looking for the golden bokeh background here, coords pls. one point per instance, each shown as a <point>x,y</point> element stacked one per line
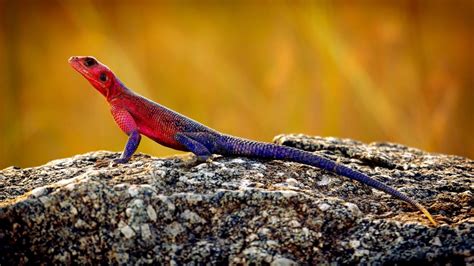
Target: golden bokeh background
<point>399,71</point>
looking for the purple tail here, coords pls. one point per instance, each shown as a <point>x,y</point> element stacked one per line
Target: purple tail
<point>243,147</point>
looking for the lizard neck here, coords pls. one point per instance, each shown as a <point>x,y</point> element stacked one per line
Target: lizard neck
<point>117,90</point>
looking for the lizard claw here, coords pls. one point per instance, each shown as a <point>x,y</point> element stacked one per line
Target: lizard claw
<point>119,161</point>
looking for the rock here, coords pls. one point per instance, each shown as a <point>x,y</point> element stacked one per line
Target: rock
<point>81,210</point>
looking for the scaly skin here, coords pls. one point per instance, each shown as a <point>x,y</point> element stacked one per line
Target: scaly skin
<point>137,116</point>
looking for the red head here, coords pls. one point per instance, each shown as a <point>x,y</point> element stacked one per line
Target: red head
<point>98,74</point>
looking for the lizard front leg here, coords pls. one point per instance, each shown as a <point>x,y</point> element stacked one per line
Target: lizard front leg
<point>128,125</point>
<point>130,148</point>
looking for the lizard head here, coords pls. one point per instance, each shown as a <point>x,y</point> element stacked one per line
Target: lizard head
<point>98,74</point>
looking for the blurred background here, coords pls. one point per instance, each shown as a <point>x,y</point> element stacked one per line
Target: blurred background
<point>399,71</point>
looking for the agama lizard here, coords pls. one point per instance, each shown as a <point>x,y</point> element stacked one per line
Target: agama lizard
<point>137,115</point>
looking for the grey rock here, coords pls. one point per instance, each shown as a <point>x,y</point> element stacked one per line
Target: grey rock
<point>83,210</point>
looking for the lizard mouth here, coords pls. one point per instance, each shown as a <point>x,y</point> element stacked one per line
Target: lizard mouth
<point>75,62</point>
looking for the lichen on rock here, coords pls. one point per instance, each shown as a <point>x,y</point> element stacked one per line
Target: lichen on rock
<point>239,210</point>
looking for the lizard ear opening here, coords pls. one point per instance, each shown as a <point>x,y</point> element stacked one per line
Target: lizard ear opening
<point>103,77</point>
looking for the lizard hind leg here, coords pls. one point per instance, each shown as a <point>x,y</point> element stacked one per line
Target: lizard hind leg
<point>201,152</point>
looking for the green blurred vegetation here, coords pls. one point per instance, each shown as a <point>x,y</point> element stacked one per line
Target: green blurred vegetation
<point>398,71</point>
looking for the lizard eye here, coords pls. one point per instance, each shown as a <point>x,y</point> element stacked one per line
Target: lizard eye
<point>88,62</point>
<point>103,77</point>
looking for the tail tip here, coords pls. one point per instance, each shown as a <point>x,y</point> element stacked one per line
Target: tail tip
<point>428,215</point>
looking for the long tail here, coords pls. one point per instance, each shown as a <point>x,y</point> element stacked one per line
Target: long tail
<point>243,147</point>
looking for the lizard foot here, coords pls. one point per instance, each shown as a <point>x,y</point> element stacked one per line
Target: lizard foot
<point>194,161</point>
<point>119,161</point>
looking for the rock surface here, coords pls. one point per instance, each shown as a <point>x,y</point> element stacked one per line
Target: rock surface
<point>238,210</point>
